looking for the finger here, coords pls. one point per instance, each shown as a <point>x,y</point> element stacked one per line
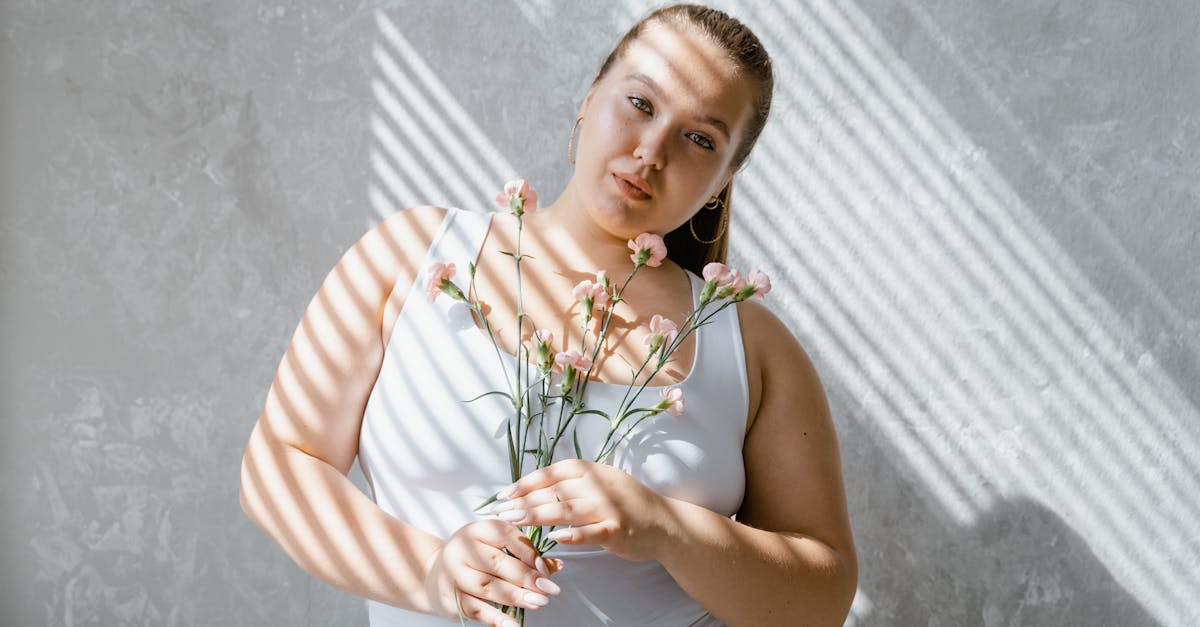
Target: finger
<point>521,547</point>
<point>482,612</point>
<point>547,566</point>
<point>492,587</point>
<point>506,537</point>
<point>504,566</point>
<point>597,533</point>
<point>573,512</point>
<point>561,491</point>
<point>544,477</point>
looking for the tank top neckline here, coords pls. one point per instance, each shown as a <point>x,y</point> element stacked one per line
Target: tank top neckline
<point>477,333</point>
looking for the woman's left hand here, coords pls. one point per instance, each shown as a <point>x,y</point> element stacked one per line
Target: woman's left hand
<point>603,505</point>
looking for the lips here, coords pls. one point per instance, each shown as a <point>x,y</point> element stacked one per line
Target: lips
<point>633,185</point>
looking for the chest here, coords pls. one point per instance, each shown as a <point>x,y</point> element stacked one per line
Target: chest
<point>548,303</point>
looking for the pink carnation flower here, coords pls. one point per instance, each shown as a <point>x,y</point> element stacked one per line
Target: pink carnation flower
<point>585,289</point>
<point>437,272</point>
<point>573,358</point>
<point>719,273</point>
<point>760,281</point>
<point>649,249</point>
<point>602,278</point>
<point>672,401</point>
<point>518,188</point>
<point>663,328</point>
<point>541,336</point>
<point>538,345</point>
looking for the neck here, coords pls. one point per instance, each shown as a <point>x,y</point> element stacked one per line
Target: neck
<point>566,232</point>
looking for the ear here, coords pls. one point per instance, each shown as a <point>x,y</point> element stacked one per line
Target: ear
<point>586,101</point>
<point>724,183</point>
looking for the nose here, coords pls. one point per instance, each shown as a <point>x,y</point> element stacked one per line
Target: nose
<point>652,145</point>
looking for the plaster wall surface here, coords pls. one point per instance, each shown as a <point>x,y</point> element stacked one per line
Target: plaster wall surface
<point>981,220</point>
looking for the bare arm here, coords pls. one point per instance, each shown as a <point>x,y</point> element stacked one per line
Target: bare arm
<point>294,483</point>
<point>293,478</point>
<point>790,557</point>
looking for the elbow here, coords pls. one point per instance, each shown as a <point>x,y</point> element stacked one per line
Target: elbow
<point>828,603</point>
<point>243,499</point>
<point>248,494</point>
<point>845,586</point>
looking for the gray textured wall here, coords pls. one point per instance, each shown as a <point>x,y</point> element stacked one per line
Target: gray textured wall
<point>981,219</point>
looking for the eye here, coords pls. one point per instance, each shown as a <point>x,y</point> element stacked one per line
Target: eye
<point>702,141</point>
<point>640,104</point>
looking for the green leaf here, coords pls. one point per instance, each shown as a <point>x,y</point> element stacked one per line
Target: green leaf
<point>575,437</point>
<point>512,455</point>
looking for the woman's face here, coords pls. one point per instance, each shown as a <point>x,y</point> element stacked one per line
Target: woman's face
<point>670,112</point>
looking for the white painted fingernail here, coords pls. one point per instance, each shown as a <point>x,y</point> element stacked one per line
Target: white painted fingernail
<point>512,516</point>
<point>510,623</point>
<point>548,586</point>
<point>506,493</point>
<point>534,598</point>
<point>559,535</point>
<point>542,567</point>
<point>503,507</point>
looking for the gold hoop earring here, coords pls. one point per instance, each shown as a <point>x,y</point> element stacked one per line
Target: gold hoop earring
<point>571,140</point>
<point>713,204</point>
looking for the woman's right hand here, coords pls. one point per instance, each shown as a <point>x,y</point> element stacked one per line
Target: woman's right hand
<point>473,570</point>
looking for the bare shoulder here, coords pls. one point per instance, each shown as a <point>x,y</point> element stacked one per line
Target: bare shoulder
<point>410,232</point>
<point>406,234</point>
<point>316,401</point>
<point>774,356</point>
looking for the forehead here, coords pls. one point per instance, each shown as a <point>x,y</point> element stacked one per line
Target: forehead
<point>691,68</point>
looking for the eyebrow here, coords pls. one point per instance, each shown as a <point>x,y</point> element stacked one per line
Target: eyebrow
<point>649,82</point>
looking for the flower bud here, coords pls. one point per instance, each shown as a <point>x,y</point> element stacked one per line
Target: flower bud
<point>656,341</point>
<point>568,379</point>
<point>602,279</point>
<point>450,289</point>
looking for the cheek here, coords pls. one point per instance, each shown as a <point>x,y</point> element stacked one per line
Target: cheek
<point>609,131</point>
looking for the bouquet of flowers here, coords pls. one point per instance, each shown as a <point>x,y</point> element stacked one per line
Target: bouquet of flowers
<point>532,435</point>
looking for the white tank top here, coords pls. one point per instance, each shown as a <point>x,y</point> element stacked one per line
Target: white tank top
<point>430,457</point>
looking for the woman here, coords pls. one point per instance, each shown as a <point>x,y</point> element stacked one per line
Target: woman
<point>376,371</point>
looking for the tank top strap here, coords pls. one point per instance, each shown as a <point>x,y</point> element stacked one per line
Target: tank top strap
<point>721,359</point>
<point>458,239</point>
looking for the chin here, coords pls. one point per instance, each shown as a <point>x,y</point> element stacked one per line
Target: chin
<point>617,218</point>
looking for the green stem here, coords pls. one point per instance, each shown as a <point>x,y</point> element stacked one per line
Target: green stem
<point>521,404</point>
